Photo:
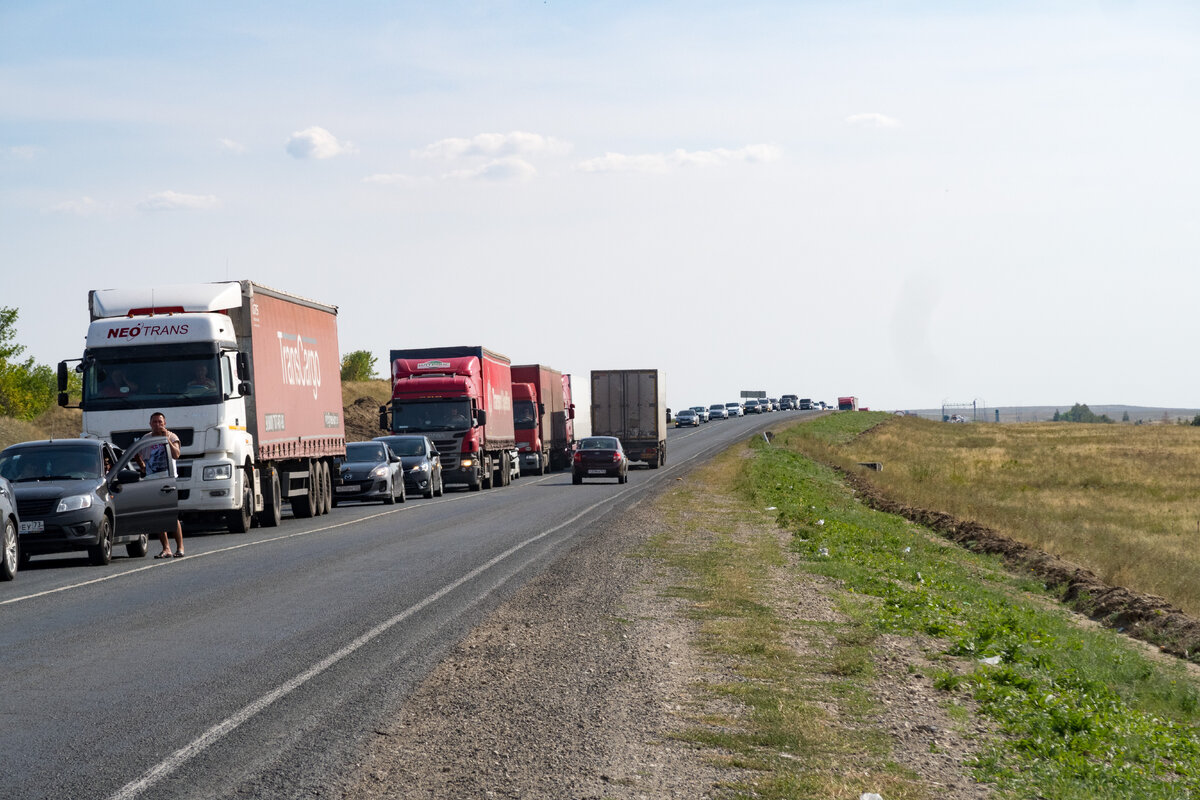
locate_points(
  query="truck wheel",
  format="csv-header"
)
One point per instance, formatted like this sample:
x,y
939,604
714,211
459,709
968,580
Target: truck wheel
x,y
326,488
9,547
505,470
101,552
138,547
238,520
272,511
475,482
304,506
654,463
487,475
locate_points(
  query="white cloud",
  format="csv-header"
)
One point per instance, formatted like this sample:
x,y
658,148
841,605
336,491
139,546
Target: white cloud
x,y
231,146
510,168
873,120
662,162
25,152
317,143
494,145
83,207
171,201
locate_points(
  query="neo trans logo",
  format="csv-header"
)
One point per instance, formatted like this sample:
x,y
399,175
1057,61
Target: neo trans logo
x,y
300,361
147,329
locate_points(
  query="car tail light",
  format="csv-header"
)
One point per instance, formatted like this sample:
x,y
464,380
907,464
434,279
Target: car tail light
x,y
617,457
578,458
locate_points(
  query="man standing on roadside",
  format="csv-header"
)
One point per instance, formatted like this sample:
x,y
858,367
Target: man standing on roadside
x,y
156,461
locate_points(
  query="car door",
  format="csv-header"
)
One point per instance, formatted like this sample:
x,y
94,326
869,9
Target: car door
x,y
144,504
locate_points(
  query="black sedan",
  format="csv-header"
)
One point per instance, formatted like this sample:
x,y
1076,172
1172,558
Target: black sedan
x,y
370,471
600,457
10,546
420,462
74,494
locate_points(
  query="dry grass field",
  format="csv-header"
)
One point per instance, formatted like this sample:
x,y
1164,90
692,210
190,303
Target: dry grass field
x,y
1119,499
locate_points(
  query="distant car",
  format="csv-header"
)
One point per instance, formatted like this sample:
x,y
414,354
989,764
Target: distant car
x,y
789,402
687,418
369,471
735,410
806,404
774,404
602,457
718,411
419,461
76,494
10,543
752,407
703,412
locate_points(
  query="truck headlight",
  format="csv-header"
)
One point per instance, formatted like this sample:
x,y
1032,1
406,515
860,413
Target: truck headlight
x,y
466,462
75,502
219,472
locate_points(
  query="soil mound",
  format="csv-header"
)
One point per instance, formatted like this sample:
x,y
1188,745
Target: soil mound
x,y
362,420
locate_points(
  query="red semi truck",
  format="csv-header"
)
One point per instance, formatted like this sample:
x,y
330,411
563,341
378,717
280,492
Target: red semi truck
x,y
248,378
543,416
847,404
462,399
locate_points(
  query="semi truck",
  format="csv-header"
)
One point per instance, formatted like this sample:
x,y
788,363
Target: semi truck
x,y
630,404
247,376
847,404
542,415
462,399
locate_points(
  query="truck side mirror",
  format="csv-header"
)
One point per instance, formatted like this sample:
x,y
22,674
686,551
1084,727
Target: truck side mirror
x,y
541,409
63,399
480,416
62,377
383,418
243,366
245,389
571,412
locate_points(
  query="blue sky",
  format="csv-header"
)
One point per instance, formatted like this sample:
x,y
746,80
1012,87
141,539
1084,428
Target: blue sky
x,y
910,202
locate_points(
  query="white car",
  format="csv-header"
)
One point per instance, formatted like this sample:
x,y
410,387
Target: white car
x,y
735,410
718,411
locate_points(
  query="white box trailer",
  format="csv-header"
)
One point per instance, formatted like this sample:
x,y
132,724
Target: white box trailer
x,y
631,405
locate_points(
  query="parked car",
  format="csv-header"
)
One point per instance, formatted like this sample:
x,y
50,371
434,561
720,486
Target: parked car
x,y
687,417
420,463
602,457
369,471
735,410
718,411
703,412
10,544
77,495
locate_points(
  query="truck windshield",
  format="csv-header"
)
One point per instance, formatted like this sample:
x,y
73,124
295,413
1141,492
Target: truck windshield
x,y
434,415
135,383
524,415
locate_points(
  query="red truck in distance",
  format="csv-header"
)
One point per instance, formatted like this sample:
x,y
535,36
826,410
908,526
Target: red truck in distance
x,y
462,399
847,404
543,417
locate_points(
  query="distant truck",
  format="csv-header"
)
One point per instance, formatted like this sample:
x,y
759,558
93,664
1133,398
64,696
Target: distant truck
x,y
543,417
249,379
462,399
847,404
631,405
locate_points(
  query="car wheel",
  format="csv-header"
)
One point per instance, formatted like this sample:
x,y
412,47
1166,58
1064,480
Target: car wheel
x,y
403,492
429,493
101,552
391,495
576,479
138,547
441,485
9,557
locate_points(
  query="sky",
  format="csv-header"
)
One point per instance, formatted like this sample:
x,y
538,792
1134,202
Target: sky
x,y
910,202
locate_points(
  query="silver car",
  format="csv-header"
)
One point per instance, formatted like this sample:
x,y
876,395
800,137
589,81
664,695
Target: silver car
x,y
10,544
718,411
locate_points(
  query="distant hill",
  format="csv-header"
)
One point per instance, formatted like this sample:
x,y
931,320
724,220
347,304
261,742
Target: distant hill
x,y
1147,414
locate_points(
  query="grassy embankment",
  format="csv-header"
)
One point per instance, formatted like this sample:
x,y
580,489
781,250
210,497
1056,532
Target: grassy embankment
x,y
1079,712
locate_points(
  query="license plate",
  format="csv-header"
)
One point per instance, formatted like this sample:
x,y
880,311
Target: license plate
x,y
597,472
347,488
33,526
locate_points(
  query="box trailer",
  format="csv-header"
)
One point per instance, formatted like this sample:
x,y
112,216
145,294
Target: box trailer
x,y
631,405
542,415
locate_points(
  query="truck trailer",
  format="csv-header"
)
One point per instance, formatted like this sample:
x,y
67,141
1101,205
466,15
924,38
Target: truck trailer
x,y
462,399
247,376
542,415
631,405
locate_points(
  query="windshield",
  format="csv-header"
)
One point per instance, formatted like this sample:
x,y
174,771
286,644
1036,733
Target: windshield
x,y
436,415
365,451
524,415
151,383
407,446
51,463
598,444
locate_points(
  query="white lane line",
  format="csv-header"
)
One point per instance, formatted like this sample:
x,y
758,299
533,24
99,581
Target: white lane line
x,y
184,754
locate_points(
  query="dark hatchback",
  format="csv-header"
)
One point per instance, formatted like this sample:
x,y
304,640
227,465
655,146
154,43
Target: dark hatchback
x,y
420,462
600,457
369,471
75,494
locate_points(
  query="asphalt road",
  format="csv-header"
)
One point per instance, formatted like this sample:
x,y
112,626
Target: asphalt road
x,y
256,665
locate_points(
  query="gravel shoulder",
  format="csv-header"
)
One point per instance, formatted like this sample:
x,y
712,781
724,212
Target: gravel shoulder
x,y
577,687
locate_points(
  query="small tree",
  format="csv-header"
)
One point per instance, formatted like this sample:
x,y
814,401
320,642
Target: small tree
x,y
358,366
26,387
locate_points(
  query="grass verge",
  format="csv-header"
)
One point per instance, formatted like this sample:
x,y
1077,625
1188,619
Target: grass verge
x,y
1081,712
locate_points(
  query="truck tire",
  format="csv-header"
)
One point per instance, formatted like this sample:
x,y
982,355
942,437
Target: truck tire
x,y
475,483
9,551
318,482
505,470
326,487
487,474
654,463
138,547
101,552
304,506
272,511
238,520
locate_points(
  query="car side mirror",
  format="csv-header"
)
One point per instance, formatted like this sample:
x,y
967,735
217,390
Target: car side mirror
x,y
128,476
